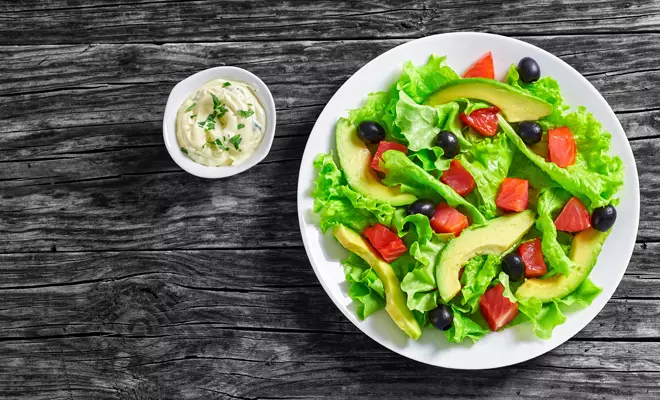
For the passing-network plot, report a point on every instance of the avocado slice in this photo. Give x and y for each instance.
(355, 159)
(514, 104)
(395, 299)
(585, 249)
(496, 237)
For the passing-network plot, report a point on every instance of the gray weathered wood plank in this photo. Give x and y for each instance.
(87, 22)
(98, 76)
(258, 365)
(137, 293)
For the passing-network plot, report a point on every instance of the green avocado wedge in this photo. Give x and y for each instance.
(355, 159)
(497, 237)
(395, 298)
(585, 249)
(513, 103)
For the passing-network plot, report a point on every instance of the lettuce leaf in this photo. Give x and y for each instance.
(584, 295)
(420, 288)
(488, 162)
(379, 107)
(545, 317)
(420, 82)
(365, 287)
(523, 168)
(504, 280)
(551, 201)
(337, 203)
(418, 123)
(479, 272)
(413, 179)
(464, 327)
(431, 159)
(403, 265)
(424, 245)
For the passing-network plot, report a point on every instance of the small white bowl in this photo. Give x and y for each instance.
(179, 94)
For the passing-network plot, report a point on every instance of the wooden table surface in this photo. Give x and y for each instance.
(123, 277)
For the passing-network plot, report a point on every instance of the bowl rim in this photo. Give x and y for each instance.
(304, 206)
(182, 90)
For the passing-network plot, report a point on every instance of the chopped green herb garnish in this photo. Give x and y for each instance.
(240, 126)
(191, 107)
(245, 114)
(226, 84)
(209, 123)
(236, 140)
(219, 109)
(184, 150)
(193, 116)
(216, 101)
(219, 143)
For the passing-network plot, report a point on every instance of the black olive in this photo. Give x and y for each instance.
(371, 132)
(449, 143)
(512, 265)
(530, 132)
(425, 207)
(441, 317)
(529, 70)
(603, 218)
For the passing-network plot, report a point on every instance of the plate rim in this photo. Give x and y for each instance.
(301, 193)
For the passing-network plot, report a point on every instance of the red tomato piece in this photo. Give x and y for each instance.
(532, 256)
(383, 146)
(561, 147)
(447, 219)
(574, 217)
(458, 178)
(387, 243)
(483, 120)
(482, 68)
(497, 309)
(514, 195)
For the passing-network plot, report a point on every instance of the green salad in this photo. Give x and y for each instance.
(469, 204)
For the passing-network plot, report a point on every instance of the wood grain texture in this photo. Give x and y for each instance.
(122, 277)
(256, 324)
(87, 21)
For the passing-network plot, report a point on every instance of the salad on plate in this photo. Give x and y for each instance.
(469, 204)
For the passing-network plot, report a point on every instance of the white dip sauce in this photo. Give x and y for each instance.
(224, 130)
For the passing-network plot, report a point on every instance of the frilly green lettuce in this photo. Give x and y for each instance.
(413, 179)
(464, 327)
(551, 201)
(364, 286)
(420, 82)
(545, 317)
(488, 161)
(478, 273)
(337, 203)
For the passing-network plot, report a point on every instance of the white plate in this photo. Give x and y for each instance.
(512, 345)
